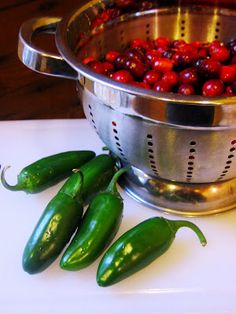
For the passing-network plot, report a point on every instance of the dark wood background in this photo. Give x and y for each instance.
(25, 94)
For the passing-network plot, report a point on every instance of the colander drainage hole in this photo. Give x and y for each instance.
(117, 140)
(92, 117)
(228, 161)
(151, 154)
(191, 159)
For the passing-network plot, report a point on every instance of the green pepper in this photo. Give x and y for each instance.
(98, 227)
(55, 227)
(47, 171)
(138, 247)
(97, 175)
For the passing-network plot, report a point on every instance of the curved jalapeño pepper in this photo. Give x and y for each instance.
(47, 171)
(55, 227)
(138, 247)
(98, 227)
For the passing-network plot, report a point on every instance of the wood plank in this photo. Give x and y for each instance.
(25, 94)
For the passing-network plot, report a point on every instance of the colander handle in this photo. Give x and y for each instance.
(38, 59)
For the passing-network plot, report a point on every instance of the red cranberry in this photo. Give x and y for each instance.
(108, 67)
(111, 56)
(220, 54)
(188, 76)
(136, 53)
(135, 67)
(228, 73)
(233, 61)
(184, 59)
(125, 3)
(232, 46)
(162, 86)
(97, 67)
(208, 68)
(120, 61)
(229, 91)
(179, 43)
(162, 65)
(203, 53)
(138, 42)
(213, 88)
(140, 84)
(186, 89)
(122, 76)
(151, 77)
(152, 55)
(88, 59)
(233, 87)
(163, 42)
(171, 77)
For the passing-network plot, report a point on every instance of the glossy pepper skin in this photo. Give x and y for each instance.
(98, 227)
(55, 227)
(47, 171)
(97, 174)
(138, 247)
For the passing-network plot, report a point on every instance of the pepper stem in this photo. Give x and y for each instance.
(16, 187)
(112, 185)
(175, 225)
(73, 185)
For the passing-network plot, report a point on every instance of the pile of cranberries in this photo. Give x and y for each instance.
(165, 65)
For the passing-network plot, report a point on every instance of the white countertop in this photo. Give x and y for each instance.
(188, 279)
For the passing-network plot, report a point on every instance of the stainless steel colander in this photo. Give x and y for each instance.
(184, 146)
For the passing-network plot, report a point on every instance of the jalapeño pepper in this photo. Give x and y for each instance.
(64, 212)
(98, 227)
(55, 227)
(97, 175)
(47, 171)
(138, 247)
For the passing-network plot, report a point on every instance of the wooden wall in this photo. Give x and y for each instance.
(25, 94)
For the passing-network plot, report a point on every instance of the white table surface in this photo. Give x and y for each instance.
(188, 279)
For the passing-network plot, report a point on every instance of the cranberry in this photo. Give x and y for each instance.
(171, 77)
(179, 43)
(138, 42)
(122, 76)
(186, 89)
(221, 54)
(88, 59)
(135, 67)
(162, 86)
(120, 61)
(162, 42)
(97, 67)
(183, 59)
(232, 46)
(229, 91)
(208, 68)
(203, 52)
(108, 67)
(213, 88)
(188, 76)
(152, 55)
(233, 87)
(140, 84)
(151, 77)
(162, 65)
(125, 3)
(111, 56)
(136, 53)
(228, 73)
(233, 61)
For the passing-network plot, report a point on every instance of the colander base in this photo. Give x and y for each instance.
(180, 198)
